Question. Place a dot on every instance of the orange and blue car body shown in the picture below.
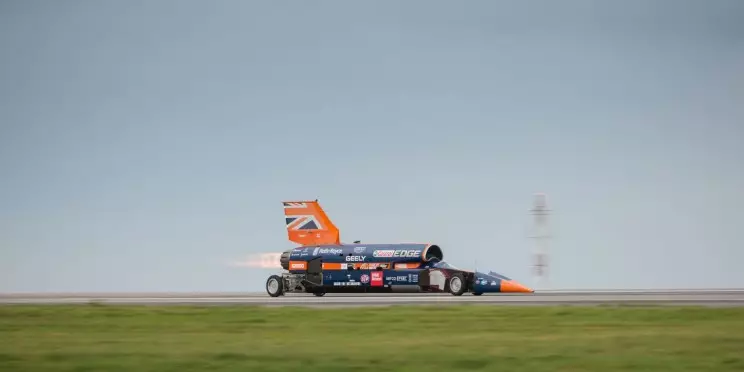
(322, 264)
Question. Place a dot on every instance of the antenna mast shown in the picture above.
(541, 234)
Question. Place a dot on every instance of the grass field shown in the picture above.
(451, 338)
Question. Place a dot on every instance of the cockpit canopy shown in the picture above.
(446, 265)
(497, 275)
(443, 265)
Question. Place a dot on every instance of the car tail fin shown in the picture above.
(307, 224)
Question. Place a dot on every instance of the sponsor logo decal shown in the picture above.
(360, 249)
(315, 251)
(493, 282)
(397, 253)
(330, 251)
(355, 258)
(399, 278)
(364, 279)
(299, 265)
(346, 284)
(376, 278)
(413, 278)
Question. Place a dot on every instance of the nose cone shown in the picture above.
(510, 286)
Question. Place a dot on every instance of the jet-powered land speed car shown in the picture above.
(322, 264)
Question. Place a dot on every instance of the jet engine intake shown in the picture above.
(433, 253)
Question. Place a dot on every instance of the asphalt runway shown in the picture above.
(701, 297)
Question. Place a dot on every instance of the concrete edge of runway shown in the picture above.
(91, 295)
(696, 297)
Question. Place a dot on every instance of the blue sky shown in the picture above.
(145, 145)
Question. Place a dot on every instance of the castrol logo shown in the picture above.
(385, 253)
(397, 253)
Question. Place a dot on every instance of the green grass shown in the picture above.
(449, 338)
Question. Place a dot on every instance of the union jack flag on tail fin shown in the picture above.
(307, 224)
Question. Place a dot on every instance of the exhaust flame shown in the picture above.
(261, 261)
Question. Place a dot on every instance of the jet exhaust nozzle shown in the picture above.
(284, 259)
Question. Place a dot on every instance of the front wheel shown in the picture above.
(457, 284)
(274, 286)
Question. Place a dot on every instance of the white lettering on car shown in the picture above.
(355, 258)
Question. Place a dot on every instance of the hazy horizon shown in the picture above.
(146, 146)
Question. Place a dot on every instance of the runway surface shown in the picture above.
(700, 297)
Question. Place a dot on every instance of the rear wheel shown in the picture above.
(274, 286)
(319, 294)
(457, 284)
